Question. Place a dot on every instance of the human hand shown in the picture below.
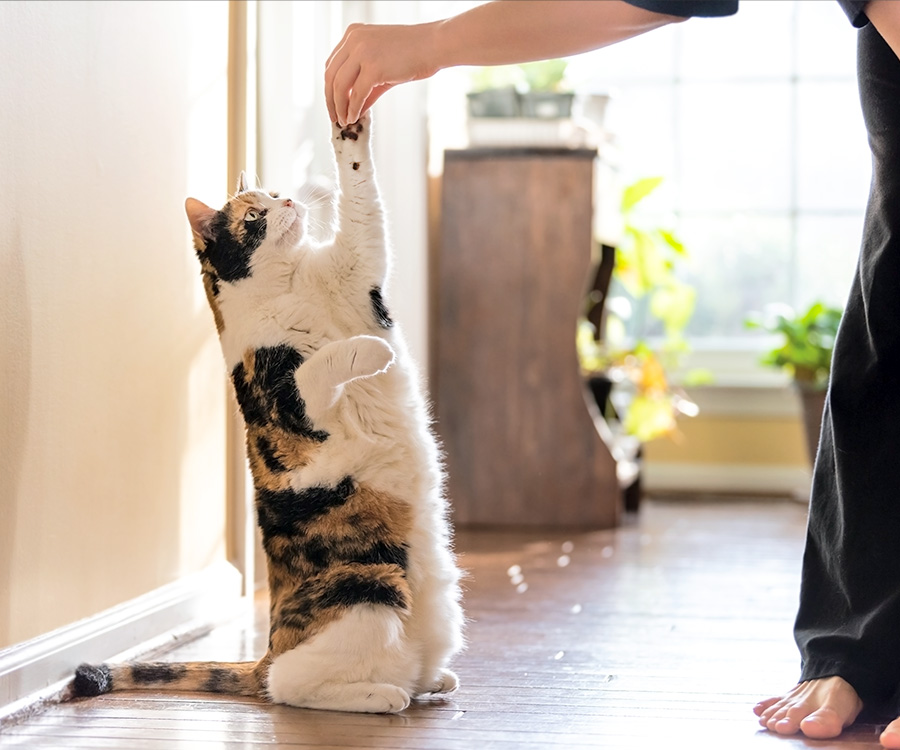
(370, 60)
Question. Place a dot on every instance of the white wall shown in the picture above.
(112, 458)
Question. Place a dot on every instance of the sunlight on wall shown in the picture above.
(108, 446)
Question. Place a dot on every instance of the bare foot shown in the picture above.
(818, 708)
(890, 737)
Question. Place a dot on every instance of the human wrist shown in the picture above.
(440, 44)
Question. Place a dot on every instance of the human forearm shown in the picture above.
(515, 31)
(371, 59)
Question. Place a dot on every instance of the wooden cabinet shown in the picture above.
(512, 408)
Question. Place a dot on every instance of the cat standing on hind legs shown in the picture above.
(364, 589)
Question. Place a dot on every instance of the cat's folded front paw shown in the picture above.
(372, 356)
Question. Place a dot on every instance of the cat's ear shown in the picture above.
(200, 215)
(244, 183)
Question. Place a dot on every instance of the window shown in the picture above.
(754, 122)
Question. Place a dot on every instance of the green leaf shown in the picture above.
(807, 341)
(544, 75)
(650, 417)
(674, 306)
(672, 241)
(698, 376)
(637, 191)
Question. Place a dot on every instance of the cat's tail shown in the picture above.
(227, 678)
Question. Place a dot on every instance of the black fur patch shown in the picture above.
(213, 282)
(358, 588)
(280, 513)
(156, 673)
(268, 456)
(379, 308)
(229, 257)
(315, 551)
(92, 680)
(382, 553)
(271, 395)
(343, 588)
(222, 681)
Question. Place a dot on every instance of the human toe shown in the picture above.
(760, 708)
(890, 737)
(822, 724)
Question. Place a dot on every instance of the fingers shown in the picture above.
(342, 72)
(374, 96)
(332, 68)
(348, 95)
(346, 82)
(370, 60)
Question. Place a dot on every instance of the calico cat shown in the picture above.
(364, 589)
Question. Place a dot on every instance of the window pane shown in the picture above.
(826, 44)
(738, 264)
(754, 44)
(735, 146)
(649, 57)
(827, 249)
(641, 117)
(833, 159)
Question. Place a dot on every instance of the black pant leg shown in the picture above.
(848, 623)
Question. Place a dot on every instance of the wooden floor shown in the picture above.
(663, 633)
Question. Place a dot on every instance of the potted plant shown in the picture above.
(641, 393)
(494, 92)
(545, 94)
(534, 90)
(804, 352)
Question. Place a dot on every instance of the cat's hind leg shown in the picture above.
(360, 662)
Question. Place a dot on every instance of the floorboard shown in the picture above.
(661, 633)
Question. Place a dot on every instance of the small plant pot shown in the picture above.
(503, 102)
(547, 104)
(812, 401)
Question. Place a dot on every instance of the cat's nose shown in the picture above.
(288, 203)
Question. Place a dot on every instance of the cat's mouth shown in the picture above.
(294, 229)
(289, 225)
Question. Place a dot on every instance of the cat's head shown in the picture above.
(253, 229)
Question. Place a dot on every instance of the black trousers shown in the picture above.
(848, 622)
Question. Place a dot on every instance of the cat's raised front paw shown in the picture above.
(354, 130)
(351, 140)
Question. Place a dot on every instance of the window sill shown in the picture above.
(741, 386)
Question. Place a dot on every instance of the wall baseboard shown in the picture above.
(39, 669)
(791, 481)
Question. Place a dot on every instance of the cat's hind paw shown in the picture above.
(446, 682)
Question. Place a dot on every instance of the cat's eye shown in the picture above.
(254, 215)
